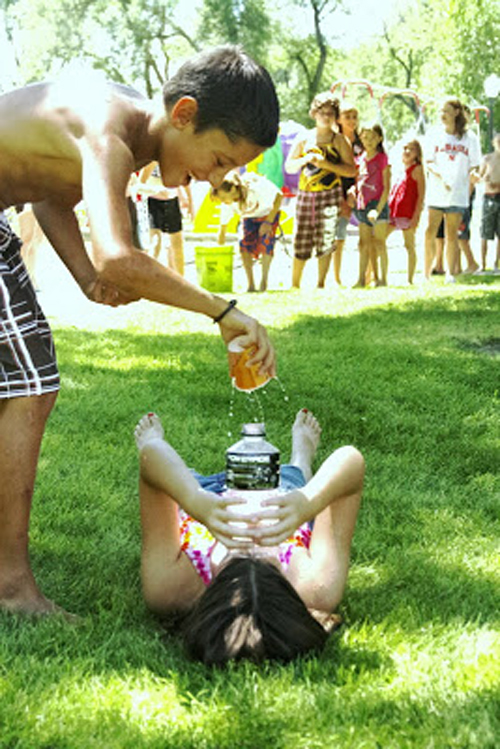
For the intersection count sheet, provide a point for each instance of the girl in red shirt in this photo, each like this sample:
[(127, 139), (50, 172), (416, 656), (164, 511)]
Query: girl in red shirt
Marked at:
[(406, 201)]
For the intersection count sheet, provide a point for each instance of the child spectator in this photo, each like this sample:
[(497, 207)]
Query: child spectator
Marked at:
[(406, 201), (372, 210), (452, 153), (165, 215), (490, 220), (258, 200), (323, 157), (348, 125)]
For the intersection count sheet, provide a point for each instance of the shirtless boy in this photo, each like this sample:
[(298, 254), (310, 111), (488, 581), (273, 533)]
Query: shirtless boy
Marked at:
[(60, 143), (490, 220)]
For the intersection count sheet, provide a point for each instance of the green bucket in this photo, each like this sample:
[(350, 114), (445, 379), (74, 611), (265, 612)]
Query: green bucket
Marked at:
[(214, 267)]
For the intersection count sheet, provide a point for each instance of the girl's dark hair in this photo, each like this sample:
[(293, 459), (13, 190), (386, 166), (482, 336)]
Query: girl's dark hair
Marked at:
[(233, 92), (461, 116), (250, 611), (376, 129), (418, 148)]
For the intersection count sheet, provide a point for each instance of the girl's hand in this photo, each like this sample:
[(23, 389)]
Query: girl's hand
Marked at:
[(219, 514), (372, 216), (265, 229), (289, 511)]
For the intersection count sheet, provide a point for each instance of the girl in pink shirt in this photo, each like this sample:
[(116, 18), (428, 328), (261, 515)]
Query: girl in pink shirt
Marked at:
[(372, 210)]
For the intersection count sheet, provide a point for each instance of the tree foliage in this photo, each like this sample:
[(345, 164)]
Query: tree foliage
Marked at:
[(437, 47)]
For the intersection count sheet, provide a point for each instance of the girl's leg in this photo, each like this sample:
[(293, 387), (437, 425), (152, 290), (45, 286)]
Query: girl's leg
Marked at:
[(452, 224), (266, 261), (379, 241), (247, 260), (364, 242), (497, 259), (434, 220), (372, 255), (337, 260), (169, 581), (320, 576), (409, 240)]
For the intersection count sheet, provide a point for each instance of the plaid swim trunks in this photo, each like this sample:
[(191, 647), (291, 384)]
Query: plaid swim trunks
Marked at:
[(316, 219), (27, 357)]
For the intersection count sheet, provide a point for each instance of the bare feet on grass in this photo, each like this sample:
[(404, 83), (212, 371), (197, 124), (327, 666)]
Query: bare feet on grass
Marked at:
[(306, 434), (149, 428), (20, 595)]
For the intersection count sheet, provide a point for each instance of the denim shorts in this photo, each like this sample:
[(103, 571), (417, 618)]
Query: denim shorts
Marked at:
[(291, 477), (362, 213)]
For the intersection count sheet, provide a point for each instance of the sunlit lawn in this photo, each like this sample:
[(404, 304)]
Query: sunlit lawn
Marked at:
[(412, 378)]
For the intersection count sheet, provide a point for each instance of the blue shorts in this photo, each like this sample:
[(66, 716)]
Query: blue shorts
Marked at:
[(291, 477), (362, 213)]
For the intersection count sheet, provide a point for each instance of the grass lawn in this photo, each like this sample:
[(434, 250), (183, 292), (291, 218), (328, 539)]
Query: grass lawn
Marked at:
[(412, 378)]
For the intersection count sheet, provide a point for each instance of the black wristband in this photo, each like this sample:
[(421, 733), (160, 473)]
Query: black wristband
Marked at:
[(229, 307)]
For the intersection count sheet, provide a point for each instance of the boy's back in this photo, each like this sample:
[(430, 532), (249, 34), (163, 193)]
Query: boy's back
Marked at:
[(43, 128)]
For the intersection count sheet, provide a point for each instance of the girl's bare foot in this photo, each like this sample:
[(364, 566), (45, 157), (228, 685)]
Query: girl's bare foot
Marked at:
[(149, 428), (306, 434)]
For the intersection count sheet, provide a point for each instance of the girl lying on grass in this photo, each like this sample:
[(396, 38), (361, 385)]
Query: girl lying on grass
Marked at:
[(261, 591)]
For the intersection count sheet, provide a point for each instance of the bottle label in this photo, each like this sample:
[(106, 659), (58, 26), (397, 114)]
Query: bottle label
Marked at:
[(252, 471)]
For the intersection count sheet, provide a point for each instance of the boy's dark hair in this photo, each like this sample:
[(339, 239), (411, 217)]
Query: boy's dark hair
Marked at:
[(251, 611), (233, 92)]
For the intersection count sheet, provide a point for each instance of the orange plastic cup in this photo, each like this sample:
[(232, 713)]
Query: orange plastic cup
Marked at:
[(244, 377)]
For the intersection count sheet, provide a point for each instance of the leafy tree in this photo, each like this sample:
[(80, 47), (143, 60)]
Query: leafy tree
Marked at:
[(133, 41), (245, 22)]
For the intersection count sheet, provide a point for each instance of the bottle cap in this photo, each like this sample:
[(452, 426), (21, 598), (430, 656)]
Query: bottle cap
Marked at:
[(254, 429)]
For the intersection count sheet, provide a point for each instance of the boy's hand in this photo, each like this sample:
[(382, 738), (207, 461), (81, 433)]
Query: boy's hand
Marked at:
[(249, 332), (290, 510), (105, 293)]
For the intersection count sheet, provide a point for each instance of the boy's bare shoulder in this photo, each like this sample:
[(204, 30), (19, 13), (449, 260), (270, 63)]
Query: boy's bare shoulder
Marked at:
[(77, 106)]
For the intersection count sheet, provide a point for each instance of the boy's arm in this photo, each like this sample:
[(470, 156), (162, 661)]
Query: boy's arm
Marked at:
[(107, 165), (61, 228)]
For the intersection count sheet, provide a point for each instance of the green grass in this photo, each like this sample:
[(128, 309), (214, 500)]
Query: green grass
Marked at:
[(409, 377)]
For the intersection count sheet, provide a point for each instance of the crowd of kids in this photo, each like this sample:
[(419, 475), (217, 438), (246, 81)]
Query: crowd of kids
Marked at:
[(345, 177)]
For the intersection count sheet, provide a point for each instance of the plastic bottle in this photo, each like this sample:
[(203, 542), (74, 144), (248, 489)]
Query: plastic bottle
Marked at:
[(252, 463)]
